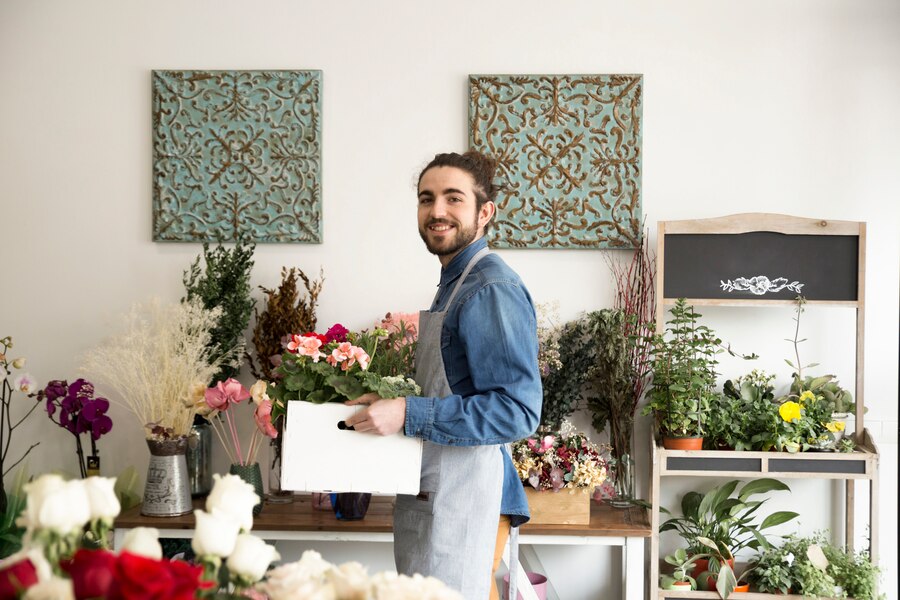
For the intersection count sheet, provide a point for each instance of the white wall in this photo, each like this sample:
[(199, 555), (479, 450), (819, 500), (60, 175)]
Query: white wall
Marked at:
[(770, 106)]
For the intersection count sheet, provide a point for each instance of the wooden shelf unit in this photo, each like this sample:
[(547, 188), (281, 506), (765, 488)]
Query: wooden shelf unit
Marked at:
[(859, 465)]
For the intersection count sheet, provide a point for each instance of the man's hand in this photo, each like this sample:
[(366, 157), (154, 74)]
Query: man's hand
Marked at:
[(384, 416)]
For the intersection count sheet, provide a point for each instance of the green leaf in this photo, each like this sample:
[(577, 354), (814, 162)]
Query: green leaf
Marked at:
[(726, 582), (761, 486), (777, 518), (347, 385)]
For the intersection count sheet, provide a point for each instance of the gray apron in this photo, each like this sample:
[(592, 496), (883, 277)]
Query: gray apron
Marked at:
[(449, 530)]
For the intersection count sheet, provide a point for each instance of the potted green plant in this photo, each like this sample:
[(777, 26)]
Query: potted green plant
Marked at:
[(743, 410), (684, 376), (723, 522), (812, 566), (681, 578)]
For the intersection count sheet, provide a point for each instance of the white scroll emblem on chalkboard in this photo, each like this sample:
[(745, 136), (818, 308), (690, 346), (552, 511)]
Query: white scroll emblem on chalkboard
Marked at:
[(760, 285)]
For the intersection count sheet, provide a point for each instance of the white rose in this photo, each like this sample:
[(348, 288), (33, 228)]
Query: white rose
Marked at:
[(102, 496), (234, 496), (251, 557), (304, 579), (215, 533), (52, 589), (143, 541), (35, 491), (351, 581), (67, 509), (52, 503)]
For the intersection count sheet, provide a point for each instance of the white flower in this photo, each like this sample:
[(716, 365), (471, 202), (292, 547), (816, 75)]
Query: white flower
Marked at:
[(52, 589), (233, 496), (143, 541), (305, 579), (25, 383), (789, 558), (390, 586), (55, 504), (102, 496), (215, 533), (251, 557), (258, 392), (19, 362), (351, 581)]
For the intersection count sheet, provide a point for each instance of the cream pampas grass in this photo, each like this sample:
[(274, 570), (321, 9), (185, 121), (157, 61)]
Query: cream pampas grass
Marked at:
[(161, 364)]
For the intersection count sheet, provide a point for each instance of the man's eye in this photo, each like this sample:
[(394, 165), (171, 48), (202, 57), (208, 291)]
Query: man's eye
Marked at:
[(424, 201), (455, 199)]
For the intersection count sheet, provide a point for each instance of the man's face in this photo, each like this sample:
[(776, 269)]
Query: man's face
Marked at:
[(449, 217)]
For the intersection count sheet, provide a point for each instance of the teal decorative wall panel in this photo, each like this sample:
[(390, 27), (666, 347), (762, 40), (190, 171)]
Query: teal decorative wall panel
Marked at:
[(237, 153), (569, 149)]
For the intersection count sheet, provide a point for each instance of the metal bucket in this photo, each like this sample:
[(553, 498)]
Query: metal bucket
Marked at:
[(167, 492)]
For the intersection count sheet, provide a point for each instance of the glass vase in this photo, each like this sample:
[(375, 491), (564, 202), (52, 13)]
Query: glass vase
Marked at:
[(623, 483), (252, 475), (276, 494), (167, 492), (350, 506), (199, 457)]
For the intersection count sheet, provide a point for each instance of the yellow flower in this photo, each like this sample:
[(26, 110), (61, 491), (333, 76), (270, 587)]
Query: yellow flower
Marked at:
[(789, 411), (807, 396), (835, 426)]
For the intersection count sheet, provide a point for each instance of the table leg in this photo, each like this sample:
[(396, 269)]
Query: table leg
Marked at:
[(633, 569)]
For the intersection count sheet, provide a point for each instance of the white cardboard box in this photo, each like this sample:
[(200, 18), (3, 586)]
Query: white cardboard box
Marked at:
[(319, 457)]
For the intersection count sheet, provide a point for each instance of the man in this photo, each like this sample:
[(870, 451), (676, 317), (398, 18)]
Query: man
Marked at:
[(476, 361)]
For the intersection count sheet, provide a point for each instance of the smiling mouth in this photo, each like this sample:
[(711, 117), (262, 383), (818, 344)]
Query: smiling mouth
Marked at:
[(440, 227)]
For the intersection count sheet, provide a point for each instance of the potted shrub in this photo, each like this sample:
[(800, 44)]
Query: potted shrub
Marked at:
[(745, 409), (722, 522), (812, 566), (684, 375), (684, 564)]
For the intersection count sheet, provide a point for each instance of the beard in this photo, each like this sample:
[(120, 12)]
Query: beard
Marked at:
[(447, 245)]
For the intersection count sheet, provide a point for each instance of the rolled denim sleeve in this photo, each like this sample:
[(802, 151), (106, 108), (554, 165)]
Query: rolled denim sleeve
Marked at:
[(497, 396)]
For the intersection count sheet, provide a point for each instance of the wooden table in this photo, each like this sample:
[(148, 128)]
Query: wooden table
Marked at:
[(626, 528)]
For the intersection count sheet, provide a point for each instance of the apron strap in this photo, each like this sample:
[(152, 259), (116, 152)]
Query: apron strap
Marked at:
[(472, 261)]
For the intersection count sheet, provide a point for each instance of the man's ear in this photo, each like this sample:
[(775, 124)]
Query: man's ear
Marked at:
[(486, 213)]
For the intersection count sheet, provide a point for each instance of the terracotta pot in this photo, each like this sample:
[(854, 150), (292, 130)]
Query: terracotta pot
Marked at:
[(683, 443), (744, 587), (708, 583)]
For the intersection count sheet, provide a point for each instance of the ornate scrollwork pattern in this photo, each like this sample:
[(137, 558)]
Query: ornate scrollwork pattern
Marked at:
[(760, 285), (237, 153), (569, 149)]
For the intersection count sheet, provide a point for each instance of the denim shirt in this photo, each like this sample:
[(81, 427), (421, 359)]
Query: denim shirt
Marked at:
[(489, 347)]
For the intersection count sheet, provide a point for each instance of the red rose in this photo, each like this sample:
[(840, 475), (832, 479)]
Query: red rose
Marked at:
[(186, 580), (142, 578), (93, 573), (16, 578)]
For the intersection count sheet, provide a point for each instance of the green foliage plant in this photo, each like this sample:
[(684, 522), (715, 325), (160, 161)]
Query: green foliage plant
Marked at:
[(854, 572), (224, 281), (745, 408), (10, 533), (287, 311), (684, 373), (726, 516), (610, 399), (684, 564), (564, 387)]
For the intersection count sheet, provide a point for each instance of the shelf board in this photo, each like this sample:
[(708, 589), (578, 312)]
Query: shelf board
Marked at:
[(860, 464), (662, 594)]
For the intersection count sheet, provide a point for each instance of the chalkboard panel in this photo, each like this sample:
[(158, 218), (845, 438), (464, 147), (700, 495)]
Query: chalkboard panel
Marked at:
[(761, 265)]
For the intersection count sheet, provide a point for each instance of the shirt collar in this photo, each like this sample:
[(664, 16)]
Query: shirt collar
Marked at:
[(452, 271)]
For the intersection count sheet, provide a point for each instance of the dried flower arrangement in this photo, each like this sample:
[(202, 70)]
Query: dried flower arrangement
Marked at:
[(286, 312), (160, 364)]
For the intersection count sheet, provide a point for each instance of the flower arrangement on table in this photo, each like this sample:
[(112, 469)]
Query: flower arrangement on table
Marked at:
[(161, 364), (337, 366), (231, 561), (220, 402), (79, 413), (557, 461)]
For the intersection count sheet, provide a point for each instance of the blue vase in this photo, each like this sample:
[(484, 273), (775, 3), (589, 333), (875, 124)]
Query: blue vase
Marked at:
[(350, 506)]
